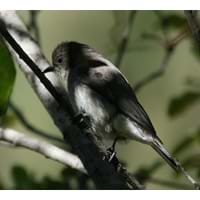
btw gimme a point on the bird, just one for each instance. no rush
(97, 88)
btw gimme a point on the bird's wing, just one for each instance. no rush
(112, 86)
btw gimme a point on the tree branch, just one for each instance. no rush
(125, 38)
(30, 127)
(169, 47)
(193, 24)
(13, 138)
(48, 150)
(56, 101)
(158, 73)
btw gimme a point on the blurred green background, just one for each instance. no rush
(103, 31)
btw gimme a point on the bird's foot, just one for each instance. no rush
(111, 157)
(82, 120)
(111, 154)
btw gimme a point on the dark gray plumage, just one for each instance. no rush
(93, 77)
(98, 88)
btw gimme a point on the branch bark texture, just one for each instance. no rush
(48, 150)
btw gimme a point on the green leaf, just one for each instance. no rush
(7, 76)
(181, 103)
(68, 179)
(22, 179)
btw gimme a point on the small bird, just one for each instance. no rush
(97, 88)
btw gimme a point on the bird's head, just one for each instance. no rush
(69, 55)
(73, 55)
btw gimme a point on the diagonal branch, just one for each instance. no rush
(30, 127)
(194, 25)
(169, 47)
(55, 100)
(48, 150)
(13, 138)
(125, 38)
(158, 73)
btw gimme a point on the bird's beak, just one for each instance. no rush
(48, 69)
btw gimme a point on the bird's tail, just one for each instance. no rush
(172, 162)
(165, 155)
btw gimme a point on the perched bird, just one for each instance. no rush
(97, 88)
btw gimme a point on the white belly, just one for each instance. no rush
(91, 103)
(105, 121)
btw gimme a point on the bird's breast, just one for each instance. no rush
(90, 102)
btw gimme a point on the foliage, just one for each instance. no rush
(7, 76)
(170, 21)
(69, 179)
(182, 102)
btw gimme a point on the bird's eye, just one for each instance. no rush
(60, 60)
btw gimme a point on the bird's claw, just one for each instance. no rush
(111, 157)
(82, 120)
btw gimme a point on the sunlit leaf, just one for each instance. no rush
(182, 102)
(7, 76)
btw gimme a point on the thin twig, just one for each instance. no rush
(158, 73)
(30, 127)
(125, 38)
(194, 25)
(160, 17)
(50, 151)
(169, 46)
